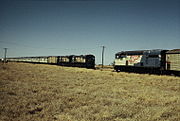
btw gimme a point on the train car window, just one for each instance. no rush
(153, 56)
(117, 56)
(74, 59)
(146, 61)
(120, 56)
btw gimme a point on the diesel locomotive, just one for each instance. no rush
(148, 61)
(85, 61)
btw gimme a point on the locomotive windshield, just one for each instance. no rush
(119, 56)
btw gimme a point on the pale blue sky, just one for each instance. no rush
(59, 27)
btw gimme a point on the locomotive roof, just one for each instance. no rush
(139, 52)
(173, 51)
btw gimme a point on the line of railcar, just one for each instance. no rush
(142, 61)
(148, 61)
(86, 61)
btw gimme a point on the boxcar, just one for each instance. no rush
(173, 61)
(53, 59)
(86, 61)
(64, 60)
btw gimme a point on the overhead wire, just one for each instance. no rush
(27, 46)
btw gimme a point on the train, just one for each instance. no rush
(157, 61)
(85, 61)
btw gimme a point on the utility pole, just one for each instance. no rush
(103, 47)
(5, 53)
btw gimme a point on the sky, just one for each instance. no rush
(80, 27)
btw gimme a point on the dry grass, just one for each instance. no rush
(47, 93)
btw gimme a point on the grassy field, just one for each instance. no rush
(31, 92)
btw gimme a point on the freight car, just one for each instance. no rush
(173, 61)
(86, 61)
(148, 61)
(38, 59)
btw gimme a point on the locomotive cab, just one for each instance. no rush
(90, 61)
